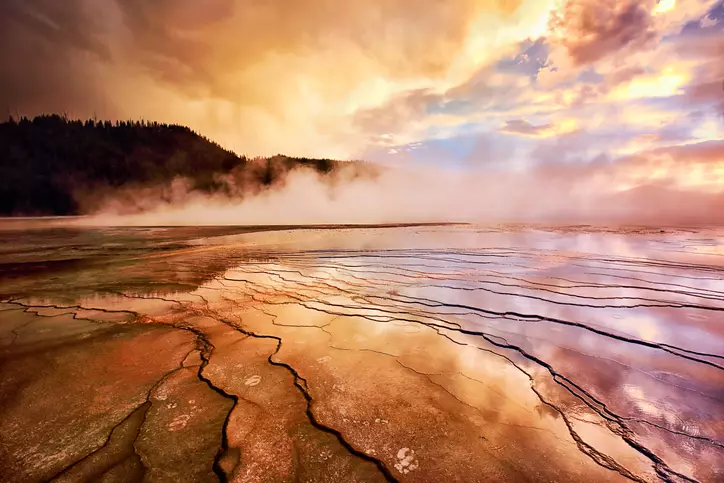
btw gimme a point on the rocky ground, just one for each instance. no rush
(452, 353)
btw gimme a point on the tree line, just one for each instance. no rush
(45, 160)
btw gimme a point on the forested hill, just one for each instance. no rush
(46, 161)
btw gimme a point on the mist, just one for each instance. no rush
(597, 193)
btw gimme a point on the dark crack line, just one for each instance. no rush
(614, 422)
(147, 403)
(206, 348)
(621, 429)
(181, 304)
(714, 295)
(597, 456)
(594, 454)
(301, 384)
(144, 406)
(602, 405)
(16, 301)
(665, 347)
(676, 351)
(661, 346)
(655, 303)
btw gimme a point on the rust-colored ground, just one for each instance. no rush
(450, 353)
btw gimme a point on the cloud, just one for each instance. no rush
(398, 112)
(609, 36)
(591, 30)
(66, 25)
(49, 57)
(471, 85)
(240, 71)
(707, 84)
(197, 41)
(525, 128)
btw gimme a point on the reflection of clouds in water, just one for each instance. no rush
(643, 326)
(364, 302)
(656, 409)
(612, 245)
(632, 380)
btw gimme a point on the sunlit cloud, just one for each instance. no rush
(664, 6)
(667, 83)
(510, 85)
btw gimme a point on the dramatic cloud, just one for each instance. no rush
(591, 29)
(259, 76)
(527, 89)
(49, 57)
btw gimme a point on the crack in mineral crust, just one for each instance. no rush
(343, 285)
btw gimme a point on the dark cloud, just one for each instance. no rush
(523, 127)
(64, 24)
(47, 53)
(591, 29)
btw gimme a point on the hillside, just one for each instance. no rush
(50, 165)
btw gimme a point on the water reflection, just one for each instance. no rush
(609, 342)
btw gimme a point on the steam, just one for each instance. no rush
(560, 194)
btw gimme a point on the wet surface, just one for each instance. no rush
(450, 353)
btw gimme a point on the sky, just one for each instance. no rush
(626, 94)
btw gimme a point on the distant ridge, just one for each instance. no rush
(45, 162)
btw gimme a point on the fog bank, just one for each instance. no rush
(624, 191)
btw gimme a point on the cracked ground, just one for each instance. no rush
(408, 353)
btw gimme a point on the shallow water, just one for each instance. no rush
(422, 353)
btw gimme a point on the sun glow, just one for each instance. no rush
(666, 84)
(664, 6)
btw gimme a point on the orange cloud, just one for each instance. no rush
(525, 128)
(336, 79)
(258, 76)
(591, 30)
